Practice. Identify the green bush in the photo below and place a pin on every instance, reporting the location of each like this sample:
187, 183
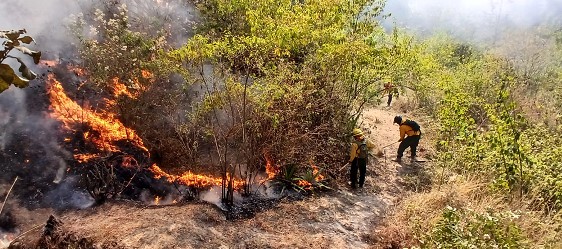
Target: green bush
469, 229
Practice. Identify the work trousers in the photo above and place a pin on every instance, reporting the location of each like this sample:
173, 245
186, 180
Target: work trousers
410, 141
361, 165
389, 99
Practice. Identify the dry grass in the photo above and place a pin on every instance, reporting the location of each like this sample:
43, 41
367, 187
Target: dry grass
418, 213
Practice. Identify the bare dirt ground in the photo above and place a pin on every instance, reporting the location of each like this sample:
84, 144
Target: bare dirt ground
342, 218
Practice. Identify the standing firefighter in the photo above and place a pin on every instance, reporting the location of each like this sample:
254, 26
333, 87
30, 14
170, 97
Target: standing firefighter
413, 132
358, 157
389, 89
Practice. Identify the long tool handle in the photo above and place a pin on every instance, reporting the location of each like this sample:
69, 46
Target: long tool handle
390, 144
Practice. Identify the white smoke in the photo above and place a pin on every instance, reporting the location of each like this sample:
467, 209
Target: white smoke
475, 20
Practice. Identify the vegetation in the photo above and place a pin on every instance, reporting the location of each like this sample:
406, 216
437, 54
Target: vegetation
281, 83
292, 78
487, 108
14, 40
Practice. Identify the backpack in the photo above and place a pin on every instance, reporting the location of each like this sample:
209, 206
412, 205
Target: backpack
362, 149
415, 126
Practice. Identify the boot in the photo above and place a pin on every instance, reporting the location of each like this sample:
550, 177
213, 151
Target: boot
398, 159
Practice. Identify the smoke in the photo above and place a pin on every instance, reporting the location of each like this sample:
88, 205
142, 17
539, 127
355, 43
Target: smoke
475, 20
30, 140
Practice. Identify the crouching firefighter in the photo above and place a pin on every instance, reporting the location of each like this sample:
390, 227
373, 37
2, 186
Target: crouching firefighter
358, 157
410, 134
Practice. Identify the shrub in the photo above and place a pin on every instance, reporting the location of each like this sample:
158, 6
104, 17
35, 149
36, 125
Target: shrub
469, 229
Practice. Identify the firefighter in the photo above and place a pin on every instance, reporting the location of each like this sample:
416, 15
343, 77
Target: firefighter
410, 134
358, 157
389, 89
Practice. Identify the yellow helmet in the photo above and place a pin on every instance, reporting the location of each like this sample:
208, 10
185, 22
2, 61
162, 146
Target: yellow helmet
357, 132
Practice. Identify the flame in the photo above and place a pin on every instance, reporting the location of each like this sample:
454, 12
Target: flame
319, 177
192, 180
120, 88
104, 129
270, 169
156, 200
146, 74
305, 184
129, 162
108, 128
78, 71
83, 158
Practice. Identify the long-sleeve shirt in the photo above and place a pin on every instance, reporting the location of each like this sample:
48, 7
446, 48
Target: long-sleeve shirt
407, 130
355, 147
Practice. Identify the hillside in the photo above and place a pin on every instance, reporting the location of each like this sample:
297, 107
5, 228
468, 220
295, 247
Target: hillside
341, 218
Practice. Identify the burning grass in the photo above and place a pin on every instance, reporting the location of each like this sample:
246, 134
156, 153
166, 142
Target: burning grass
193, 180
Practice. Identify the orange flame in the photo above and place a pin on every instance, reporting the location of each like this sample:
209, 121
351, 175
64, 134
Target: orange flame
305, 184
107, 127
83, 158
78, 71
120, 88
319, 177
193, 180
270, 169
129, 162
156, 200
146, 74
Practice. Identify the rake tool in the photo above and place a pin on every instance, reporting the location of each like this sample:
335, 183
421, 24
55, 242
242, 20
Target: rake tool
390, 144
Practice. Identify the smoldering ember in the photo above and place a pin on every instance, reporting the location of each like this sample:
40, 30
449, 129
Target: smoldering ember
280, 124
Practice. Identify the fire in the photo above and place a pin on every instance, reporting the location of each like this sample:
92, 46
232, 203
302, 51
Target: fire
78, 71
108, 128
193, 180
316, 171
156, 200
305, 184
318, 177
129, 162
104, 130
146, 74
270, 169
120, 88
85, 157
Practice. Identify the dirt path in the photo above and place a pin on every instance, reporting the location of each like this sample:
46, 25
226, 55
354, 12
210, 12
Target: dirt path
341, 219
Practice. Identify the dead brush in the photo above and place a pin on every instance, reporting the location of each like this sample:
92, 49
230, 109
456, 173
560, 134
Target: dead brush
418, 212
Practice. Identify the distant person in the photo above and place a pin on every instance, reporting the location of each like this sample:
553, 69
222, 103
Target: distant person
410, 134
358, 157
389, 89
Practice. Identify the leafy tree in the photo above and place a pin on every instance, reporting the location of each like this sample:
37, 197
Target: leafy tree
282, 79
14, 40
